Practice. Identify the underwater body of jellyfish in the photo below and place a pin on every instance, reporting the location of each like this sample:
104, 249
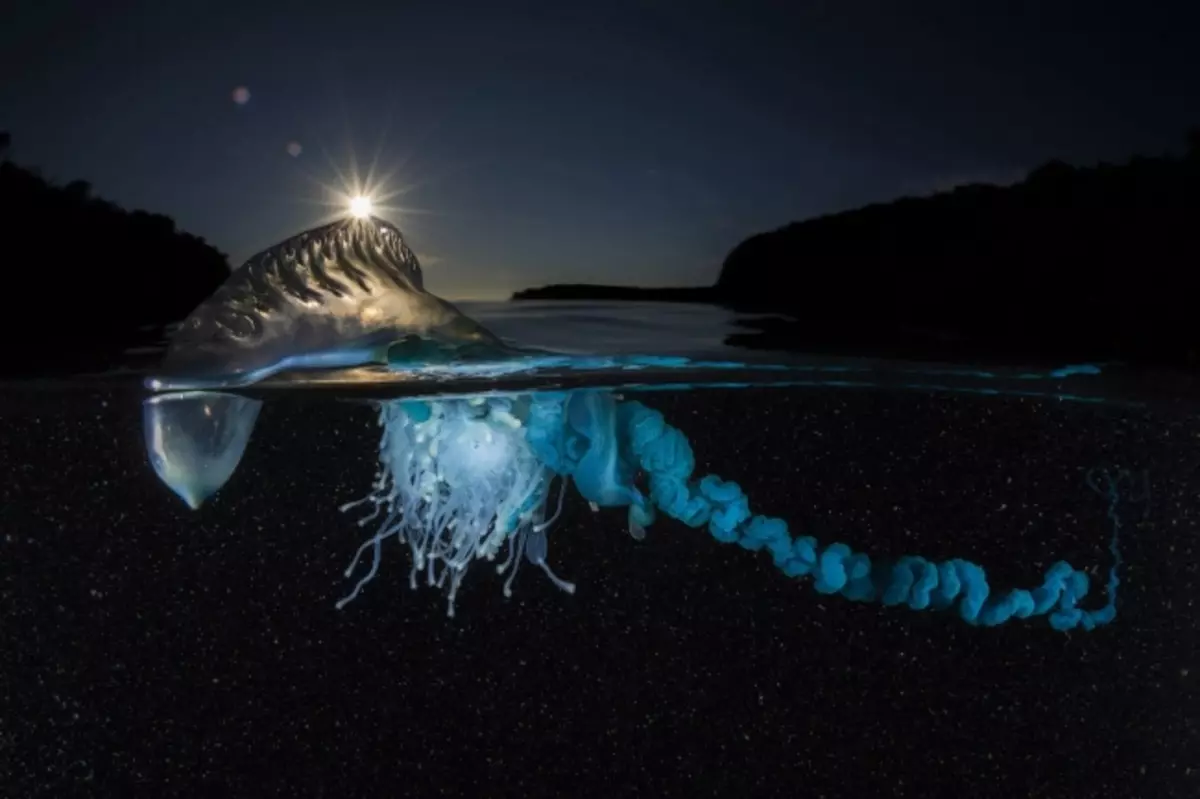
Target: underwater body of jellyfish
461, 479
473, 478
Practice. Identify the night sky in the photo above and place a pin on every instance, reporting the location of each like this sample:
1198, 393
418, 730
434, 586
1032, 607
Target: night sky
613, 142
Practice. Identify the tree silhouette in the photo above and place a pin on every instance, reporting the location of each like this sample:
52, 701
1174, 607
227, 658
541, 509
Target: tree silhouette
1073, 262
93, 279
79, 190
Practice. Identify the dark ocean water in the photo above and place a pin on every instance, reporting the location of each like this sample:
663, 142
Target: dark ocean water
152, 650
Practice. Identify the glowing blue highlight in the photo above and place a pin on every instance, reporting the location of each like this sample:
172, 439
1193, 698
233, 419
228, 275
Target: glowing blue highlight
461, 479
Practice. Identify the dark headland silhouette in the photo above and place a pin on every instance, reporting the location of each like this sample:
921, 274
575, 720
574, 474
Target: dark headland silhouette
85, 280
1094, 263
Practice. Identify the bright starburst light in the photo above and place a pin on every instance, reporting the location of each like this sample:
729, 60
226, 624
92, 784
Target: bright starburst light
354, 194
360, 207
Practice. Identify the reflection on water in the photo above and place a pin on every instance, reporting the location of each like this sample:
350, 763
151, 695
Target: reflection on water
701, 332
697, 331
611, 328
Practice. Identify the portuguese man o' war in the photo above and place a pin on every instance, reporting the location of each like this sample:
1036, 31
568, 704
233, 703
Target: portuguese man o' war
463, 478
335, 296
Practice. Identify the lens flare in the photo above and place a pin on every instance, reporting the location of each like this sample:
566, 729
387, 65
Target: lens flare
360, 207
348, 193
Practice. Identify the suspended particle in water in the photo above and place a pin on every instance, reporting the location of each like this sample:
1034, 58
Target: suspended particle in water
294, 149
241, 95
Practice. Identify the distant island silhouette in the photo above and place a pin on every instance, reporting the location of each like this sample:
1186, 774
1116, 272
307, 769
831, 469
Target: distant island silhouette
86, 280
1092, 262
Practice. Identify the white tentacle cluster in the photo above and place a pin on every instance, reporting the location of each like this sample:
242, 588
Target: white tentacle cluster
457, 480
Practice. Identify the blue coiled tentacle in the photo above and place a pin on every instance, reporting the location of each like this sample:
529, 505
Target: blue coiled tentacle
664, 454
